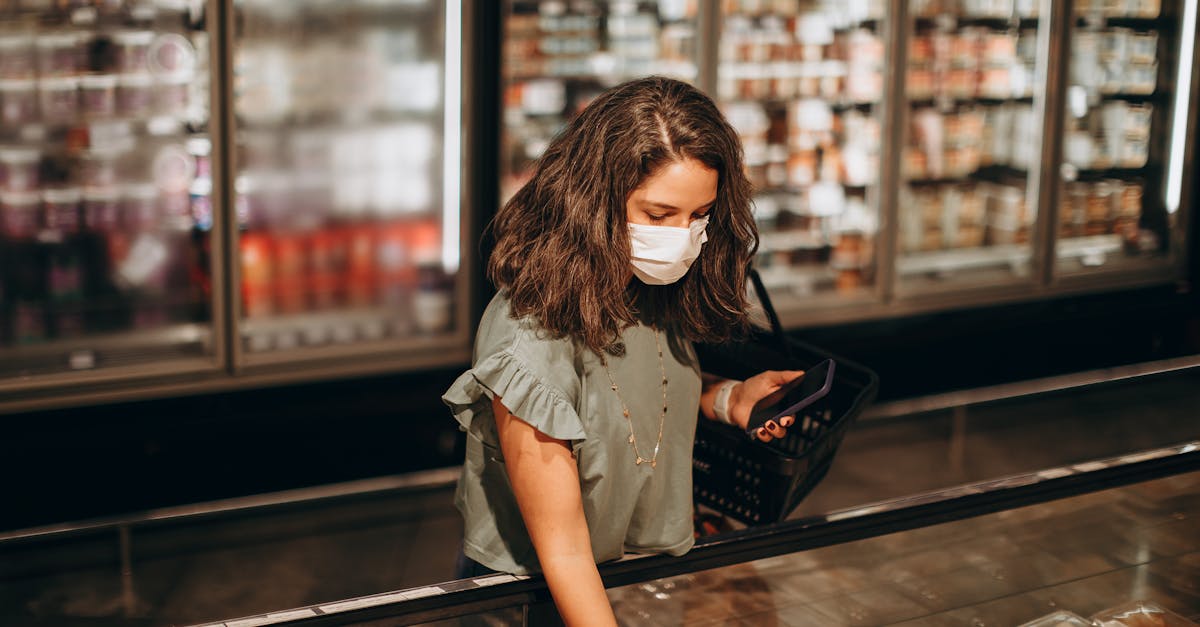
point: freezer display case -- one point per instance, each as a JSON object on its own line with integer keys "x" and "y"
{"x": 1119, "y": 207}
{"x": 971, "y": 136}
{"x": 558, "y": 56}
{"x": 346, "y": 178}
{"x": 803, "y": 82}
{"x": 106, "y": 255}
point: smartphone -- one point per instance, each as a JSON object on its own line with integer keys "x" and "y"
{"x": 793, "y": 396}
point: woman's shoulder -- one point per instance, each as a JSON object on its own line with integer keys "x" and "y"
{"x": 521, "y": 336}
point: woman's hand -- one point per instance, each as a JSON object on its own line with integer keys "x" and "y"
{"x": 745, "y": 394}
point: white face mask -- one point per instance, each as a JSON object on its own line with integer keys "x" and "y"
{"x": 663, "y": 254}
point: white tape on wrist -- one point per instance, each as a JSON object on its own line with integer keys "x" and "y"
{"x": 721, "y": 401}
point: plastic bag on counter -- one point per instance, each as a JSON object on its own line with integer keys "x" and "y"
{"x": 1140, "y": 614}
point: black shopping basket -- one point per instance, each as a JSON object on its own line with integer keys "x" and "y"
{"x": 757, "y": 482}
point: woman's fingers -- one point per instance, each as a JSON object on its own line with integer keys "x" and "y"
{"x": 787, "y": 421}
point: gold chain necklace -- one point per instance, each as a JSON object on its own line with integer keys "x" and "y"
{"x": 625, "y": 410}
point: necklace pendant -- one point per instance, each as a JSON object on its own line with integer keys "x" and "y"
{"x": 639, "y": 460}
{"x": 654, "y": 463}
{"x": 631, "y": 439}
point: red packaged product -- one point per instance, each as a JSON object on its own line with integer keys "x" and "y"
{"x": 326, "y": 258}
{"x": 360, "y": 267}
{"x": 256, "y": 275}
{"x": 289, "y": 264}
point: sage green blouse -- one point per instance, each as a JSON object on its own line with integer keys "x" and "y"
{"x": 561, "y": 388}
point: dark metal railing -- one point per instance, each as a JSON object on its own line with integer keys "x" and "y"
{"x": 474, "y": 596}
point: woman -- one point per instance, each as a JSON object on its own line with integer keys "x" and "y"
{"x": 630, "y": 242}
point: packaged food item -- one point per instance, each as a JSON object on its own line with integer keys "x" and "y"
{"x": 57, "y": 53}
{"x": 139, "y": 207}
{"x": 59, "y": 99}
{"x": 1060, "y": 618}
{"x": 102, "y": 209}
{"x": 1140, "y": 614}
{"x": 17, "y": 60}
{"x": 20, "y": 214}
{"x": 20, "y": 168}
{"x": 18, "y": 102}
{"x": 172, "y": 93}
{"x": 256, "y": 275}
{"x": 171, "y": 54}
{"x": 98, "y": 95}
{"x": 61, "y": 209}
{"x": 133, "y": 50}
{"x": 135, "y": 95}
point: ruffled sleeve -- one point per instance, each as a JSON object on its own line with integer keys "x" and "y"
{"x": 535, "y": 376}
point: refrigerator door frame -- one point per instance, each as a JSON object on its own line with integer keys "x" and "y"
{"x": 374, "y": 357}
{"x": 1045, "y": 280}
{"x": 226, "y": 368}
{"x": 73, "y": 387}
{"x": 1174, "y": 267}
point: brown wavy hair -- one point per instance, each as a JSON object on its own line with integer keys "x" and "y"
{"x": 562, "y": 242}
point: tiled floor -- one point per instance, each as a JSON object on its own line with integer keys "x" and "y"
{"x": 990, "y": 569}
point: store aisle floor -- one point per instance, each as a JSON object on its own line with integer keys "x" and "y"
{"x": 223, "y": 567}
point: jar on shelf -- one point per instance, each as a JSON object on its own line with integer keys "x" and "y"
{"x": 20, "y": 214}
{"x": 135, "y": 95}
{"x": 61, "y": 209}
{"x": 98, "y": 95}
{"x": 57, "y": 53}
{"x": 172, "y": 94}
{"x": 18, "y": 102}
{"x": 133, "y": 50}
{"x": 102, "y": 209}
{"x": 1141, "y": 78}
{"x": 171, "y": 54}
{"x": 20, "y": 168}
{"x": 17, "y": 59}
{"x": 139, "y": 207}
{"x": 59, "y": 99}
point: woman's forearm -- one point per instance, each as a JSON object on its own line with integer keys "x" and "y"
{"x": 545, "y": 482}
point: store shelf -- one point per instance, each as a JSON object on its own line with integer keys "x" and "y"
{"x": 340, "y": 327}
{"x": 104, "y": 350}
{"x": 1092, "y": 250}
{"x": 947, "y": 22}
{"x": 1141, "y": 23}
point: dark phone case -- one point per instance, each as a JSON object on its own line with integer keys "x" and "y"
{"x": 760, "y": 417}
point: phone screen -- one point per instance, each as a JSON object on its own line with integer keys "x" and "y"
{"x": 794, "y": 395}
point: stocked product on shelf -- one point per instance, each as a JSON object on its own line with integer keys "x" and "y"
{"x": 1114, "y": 132}
{"x": 972, "y": 136}
{"x": 800, "y": 82}
{"x": 559, "y": 55}
{"x": 99, "y": 102}
{"x": 340, "y": 162}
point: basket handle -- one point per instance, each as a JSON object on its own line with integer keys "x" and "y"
{"x": 764, "y": 299}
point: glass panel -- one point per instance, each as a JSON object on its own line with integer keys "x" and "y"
{"x": 342, "y": 206}
{"x": 104, "y": 185}
{"x": 802, "y": 83}
{"x": 558, "y": 56}
{"x": 972, "y": 137}
{"x": 1118, "y": 126}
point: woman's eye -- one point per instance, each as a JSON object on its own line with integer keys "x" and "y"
{"x": 654, "y": 218}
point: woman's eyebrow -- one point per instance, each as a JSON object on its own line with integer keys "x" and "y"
{"x": 663, "y": 205}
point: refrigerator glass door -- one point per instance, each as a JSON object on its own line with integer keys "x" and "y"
{"x": 346, "y": 177}
{"x": 1124, "y": 128}
{"x": 966, "y": 218}
{"x": 803, "y": 83}
{"x": 105, "y": 192}
{"x": 558, "y": 56}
